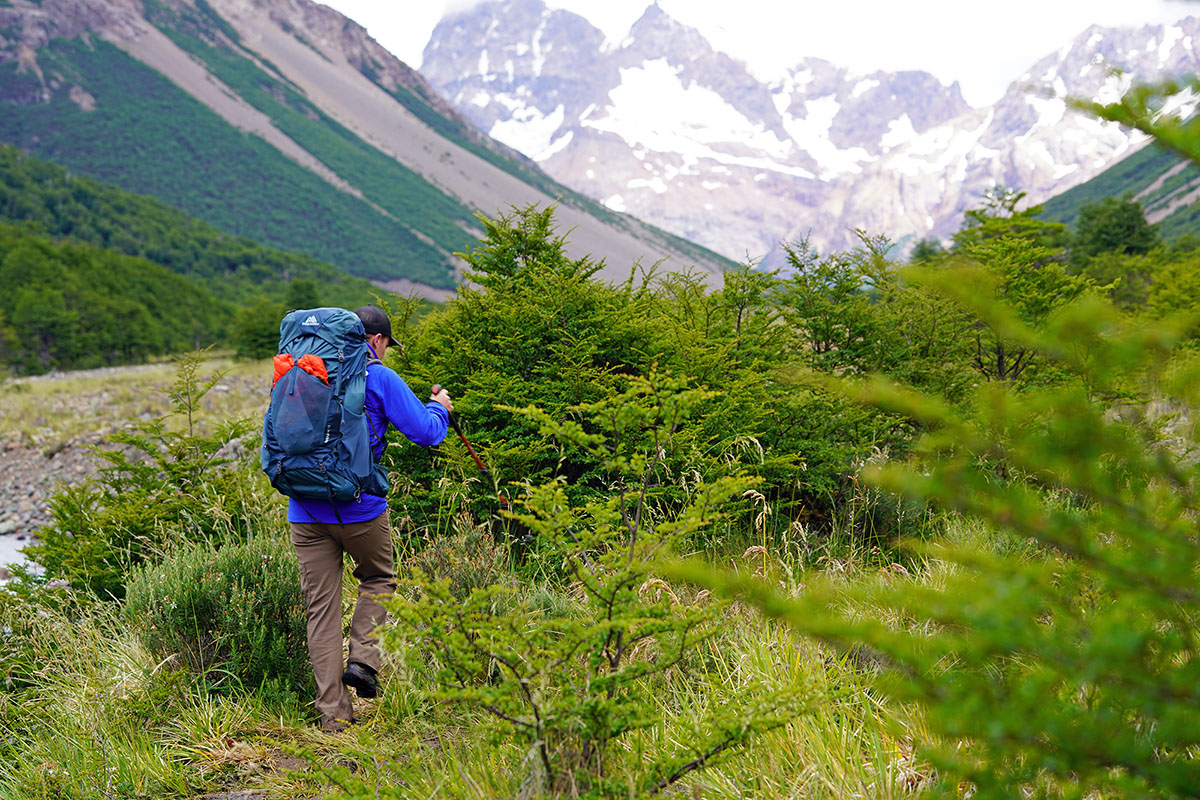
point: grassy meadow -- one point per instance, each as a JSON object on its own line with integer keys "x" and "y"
{"x": 56, "y": 409}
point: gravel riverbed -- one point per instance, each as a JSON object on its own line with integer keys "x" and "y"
{"x": 52, "y": 421}
{"x": 29, "y": 477}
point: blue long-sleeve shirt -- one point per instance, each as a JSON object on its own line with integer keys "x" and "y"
{"x": 389, "y": 401}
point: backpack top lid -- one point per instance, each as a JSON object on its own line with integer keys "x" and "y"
{"x": 336, "y": 326}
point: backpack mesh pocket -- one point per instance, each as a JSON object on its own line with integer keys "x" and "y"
{"x": 301, "y": 412}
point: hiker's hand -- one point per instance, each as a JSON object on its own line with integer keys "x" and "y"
{"x": 441, "y": 396}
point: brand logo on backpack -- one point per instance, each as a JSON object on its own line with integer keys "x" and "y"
{"x": 316, "y": 435}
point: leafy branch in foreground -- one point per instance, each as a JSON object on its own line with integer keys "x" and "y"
{"x": 1075, "y": 671}
{"x": 572, "y": 687}
{"x": 1155, "y": 110}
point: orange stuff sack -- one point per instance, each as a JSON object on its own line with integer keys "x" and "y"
{"x": 313, "y": 365}
{"x": 283, "y": 362}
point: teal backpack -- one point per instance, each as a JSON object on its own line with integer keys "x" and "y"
{"x": 316, "y": 433}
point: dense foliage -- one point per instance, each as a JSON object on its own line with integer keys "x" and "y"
{"x": 49, "y": 200}
{"x": 69, "y": 306}
{"x": 537, "y": 328}
{"x": 595, "y": 670}
{"x": 1065, "y": 665}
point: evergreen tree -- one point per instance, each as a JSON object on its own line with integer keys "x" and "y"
{"x": 1112, "y": 225}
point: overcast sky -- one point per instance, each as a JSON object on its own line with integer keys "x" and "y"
{"x": 983, "y": 45}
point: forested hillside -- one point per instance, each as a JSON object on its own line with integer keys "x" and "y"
{"x": 1164, "y": 183}
{"x": 95, "y": 275}
{"x": 74, "y": 306}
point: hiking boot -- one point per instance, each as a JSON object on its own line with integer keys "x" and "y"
{"x": 362, "y": 679}
{"x": 335, "y": 725}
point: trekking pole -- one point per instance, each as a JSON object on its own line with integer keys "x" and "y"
{"x": 454, "y": 422}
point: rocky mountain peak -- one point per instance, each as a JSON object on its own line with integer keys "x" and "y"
{"x": 666, "y": 127}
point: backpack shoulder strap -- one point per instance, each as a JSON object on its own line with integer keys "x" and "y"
{"x": 375, "y": 437}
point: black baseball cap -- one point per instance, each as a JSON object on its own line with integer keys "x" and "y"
{"x": 375, "y": 321}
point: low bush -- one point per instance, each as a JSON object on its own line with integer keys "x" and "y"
{"x": 160, "y": 488}
{"x": 237, "y": 610}
{"x": 575, "y": 688}
{"x": 468, "y": 559}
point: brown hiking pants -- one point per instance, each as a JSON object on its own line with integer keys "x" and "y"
{"x": 319, "y": 547}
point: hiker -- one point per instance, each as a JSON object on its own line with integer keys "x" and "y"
{"x": 322, "y": 531}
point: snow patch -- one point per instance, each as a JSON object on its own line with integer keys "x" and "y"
{"x": 1050, "y": 111}
{"x": 802, "y": 78}
{"x": 652, "y": 110}
{"x": 483, "y": 62}
{"x": 782, "y": 101}
{"x": 539, "y": 53}
{"x": 656, "y": 184}
{"x": 556, "y": 146}
{"x": 942, "y": 150}
{"x": 530, "y": 132}
{"x": 863, "y": 86}
{"x": 811, "y": 135}
{"x": 1115, "y": 86}
{"x": 1171, "y": 37}
{"x": 481, "y": 99}
{"x": 899, "y": 131}
{"x": 615, "y": 202}
{"x": 1063, "y": 170}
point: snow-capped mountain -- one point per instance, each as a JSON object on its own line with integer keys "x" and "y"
{"x": 665, "y": 127}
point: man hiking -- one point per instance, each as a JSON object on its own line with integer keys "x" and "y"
{"x": 322, "y": 530}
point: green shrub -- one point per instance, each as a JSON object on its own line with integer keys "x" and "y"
{"x": 163, "y": 487}
{"x": 1067, "y": 668}
{"x": 536, "y": 327}
{"x": 467, "y": 559}
{"x": 574, "y": 688}
{"x": 237, "y": 610}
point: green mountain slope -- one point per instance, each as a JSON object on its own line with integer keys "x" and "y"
{"x": 71, "y": 306}
{"x": 1167, "y": 186}
{"x": 50, "y": 201}
{"x": 94, "y": 275}
{"x": 147, "y": 135}
{"x": 283, "y": 122}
